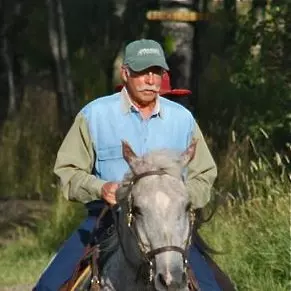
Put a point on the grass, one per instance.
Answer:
(23, 260)
(28, 146)
(254, 236)
(21, 263)
(254, 226)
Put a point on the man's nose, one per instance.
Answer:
(150, 78)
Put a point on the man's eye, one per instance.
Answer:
(159, 72)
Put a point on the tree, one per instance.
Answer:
(61, 66)
(11, 68)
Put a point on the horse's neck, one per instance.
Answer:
(118, 275)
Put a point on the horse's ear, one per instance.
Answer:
(128, 153)
(189, 153)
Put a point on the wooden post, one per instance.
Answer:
(177, 18)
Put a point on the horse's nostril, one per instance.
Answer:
(172, 280)
(162, 280)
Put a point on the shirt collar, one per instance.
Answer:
(127, 105)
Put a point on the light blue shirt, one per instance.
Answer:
(114, 118)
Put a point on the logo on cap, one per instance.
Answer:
(149, 51)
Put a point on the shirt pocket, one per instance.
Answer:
(110, 164)
(110, 153)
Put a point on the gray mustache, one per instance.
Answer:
(149, 88)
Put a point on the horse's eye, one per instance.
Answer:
(188, 207)
(136, 210)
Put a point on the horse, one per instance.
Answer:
(147, 246)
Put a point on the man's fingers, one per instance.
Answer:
(109, 197)
(109, 192)
(111, 200)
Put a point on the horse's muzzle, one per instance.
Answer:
(171, 281)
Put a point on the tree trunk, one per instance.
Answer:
(65, 58)
(286, 64)
(57, 39)
(181, 35)
(230, 10)
(8, 61)
(11, 75)
(200, 6)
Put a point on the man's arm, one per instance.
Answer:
(74, 164)
(202, 172)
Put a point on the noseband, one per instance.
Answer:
(150, 255)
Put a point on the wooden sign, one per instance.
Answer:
(178, 15)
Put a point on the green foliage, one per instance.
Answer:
(248, 82)
(28, 146)
(90, 78)
(259, 70)
(169, 45)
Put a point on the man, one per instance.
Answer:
(90, 163)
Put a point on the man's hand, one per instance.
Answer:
(108, 192)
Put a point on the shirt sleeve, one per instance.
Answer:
(74, 164)
(202, 172)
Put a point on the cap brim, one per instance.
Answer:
(176, 92)
(145, 63)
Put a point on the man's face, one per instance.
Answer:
(143, 86)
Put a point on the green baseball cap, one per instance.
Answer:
(144, 53)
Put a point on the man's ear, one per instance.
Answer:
(123, 74)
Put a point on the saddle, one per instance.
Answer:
(88, 264)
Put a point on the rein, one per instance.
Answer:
(150, 255)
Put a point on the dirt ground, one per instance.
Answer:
(15, 214)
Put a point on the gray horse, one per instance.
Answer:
(153, 224)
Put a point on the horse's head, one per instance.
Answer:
(157, 214)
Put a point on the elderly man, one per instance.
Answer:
(90, 163)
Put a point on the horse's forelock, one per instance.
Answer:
(166, 160)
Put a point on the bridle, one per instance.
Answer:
(150, 255)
